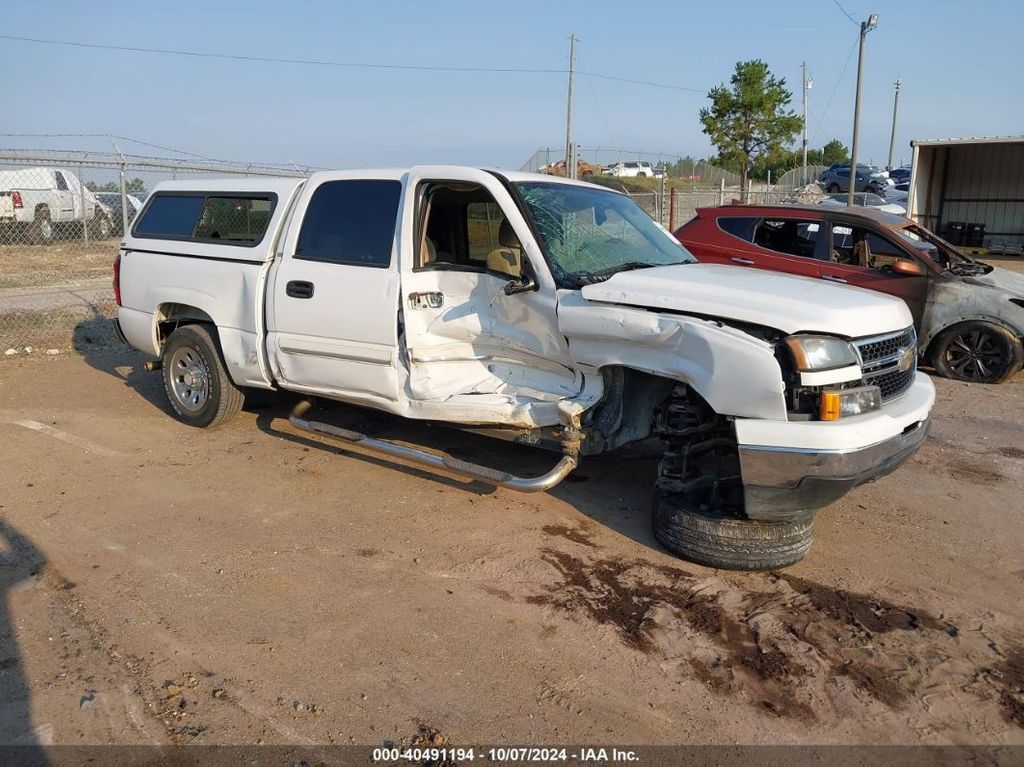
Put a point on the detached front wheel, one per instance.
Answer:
(982, 352)
(199, 388)
(716, 538)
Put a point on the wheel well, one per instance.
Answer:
(627, 412)
(42, 207)
(169, 317)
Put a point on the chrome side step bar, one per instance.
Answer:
(568, 462)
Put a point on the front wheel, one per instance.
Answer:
(199, 388)
(833, 189)
(716, 538)
(982, 352)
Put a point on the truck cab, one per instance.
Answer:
(546, 311)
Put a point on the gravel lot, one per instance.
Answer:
(243, 585)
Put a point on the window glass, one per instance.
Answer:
(789, 236)
(588, 233)
(62, 184)
(351, 222)
(738, 226)
(236, 219)
(171, 215)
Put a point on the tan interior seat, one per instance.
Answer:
(507, 258)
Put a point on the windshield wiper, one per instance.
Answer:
(630, 266)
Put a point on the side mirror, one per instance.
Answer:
(523, 284)
(907, 268)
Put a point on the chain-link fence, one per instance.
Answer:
(62, 216)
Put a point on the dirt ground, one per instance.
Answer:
(163, 584)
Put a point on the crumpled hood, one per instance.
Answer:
(1004, 279)
(781, 301)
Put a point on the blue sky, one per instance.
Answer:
(960, 64)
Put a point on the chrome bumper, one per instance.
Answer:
(783, 482)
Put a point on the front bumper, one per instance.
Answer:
(783, 481)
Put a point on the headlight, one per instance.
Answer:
(821, 352)
(839, 403)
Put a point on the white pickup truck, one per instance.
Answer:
(551, 312)
(43, 204)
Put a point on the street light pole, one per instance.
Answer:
(895, 107)
(865, 27)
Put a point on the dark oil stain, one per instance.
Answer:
(973, 472)
(501, 594)
(839, 624)
(860, 610)
(368, 552)
(1011, 452)
(574, 534)
(1008, 677)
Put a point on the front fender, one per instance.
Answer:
(736, 373)
(953, 301)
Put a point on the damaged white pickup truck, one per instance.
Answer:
(546, 311)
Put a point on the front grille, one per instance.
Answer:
(876, 349)
(889, 362)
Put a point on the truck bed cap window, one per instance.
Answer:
(207, 217)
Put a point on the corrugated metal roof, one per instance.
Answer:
(968, 140)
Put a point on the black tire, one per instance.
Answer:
(833, 189)
(41, 231)
(100, 227)
(198, 387)
(981, 352)
(718, 539)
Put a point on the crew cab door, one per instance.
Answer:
(64, 197)
(861, 257)
(332, 304)
(486, 355)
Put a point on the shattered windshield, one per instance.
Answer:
(590, 234)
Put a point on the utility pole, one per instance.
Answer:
(895, 108)
(570, 159)
(807, 87)
(865, 27)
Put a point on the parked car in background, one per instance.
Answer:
(44, 204)
(112, 201)
(969, 315)
(837, 179)
(867, 200)
(900, 175)
(639, 169)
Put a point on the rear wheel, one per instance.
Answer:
(717, 538)
(833, 189)
(42, 232)
(99, 227)
(982, 352)
(199, 388)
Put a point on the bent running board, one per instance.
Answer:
(568, 462)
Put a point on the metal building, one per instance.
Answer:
(970, 191)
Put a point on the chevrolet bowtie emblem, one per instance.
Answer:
(907, 359)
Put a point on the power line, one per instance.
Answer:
(835, 88)
(339, 64)
(274, 59)
(845, 12)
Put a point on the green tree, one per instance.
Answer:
(834, 152)
(749, 119)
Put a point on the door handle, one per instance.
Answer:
(833, 278)
(299, 289)
(743, 261)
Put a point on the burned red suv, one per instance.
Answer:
(969, 315)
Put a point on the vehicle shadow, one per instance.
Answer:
(20, 560)
(614, 491)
